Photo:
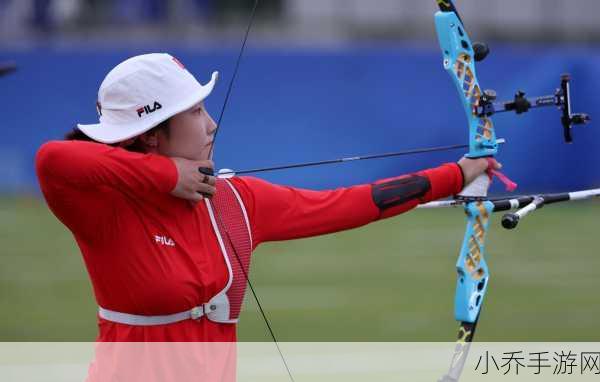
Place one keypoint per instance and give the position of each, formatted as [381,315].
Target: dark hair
[77,135]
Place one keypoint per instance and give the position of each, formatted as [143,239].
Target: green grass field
[390,281]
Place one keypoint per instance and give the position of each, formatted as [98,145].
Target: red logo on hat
[178,63]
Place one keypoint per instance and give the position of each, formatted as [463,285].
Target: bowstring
[218,215]
[233,78]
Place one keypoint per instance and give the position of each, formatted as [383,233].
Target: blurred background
[322,79]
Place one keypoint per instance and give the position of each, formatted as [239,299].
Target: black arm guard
[398,191]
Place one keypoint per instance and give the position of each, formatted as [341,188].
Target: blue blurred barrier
[292,105]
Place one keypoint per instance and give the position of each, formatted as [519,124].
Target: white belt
[217,310]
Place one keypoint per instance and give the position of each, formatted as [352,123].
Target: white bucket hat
[140,93]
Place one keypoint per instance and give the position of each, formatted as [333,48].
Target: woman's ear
[150,139]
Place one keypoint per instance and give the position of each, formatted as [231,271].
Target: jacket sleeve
[84,182]
[88,165]
[281,213]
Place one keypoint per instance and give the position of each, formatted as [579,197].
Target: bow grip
[477,188]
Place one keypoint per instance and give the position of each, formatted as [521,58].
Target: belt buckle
[201,310]
[209,307]
[197,312]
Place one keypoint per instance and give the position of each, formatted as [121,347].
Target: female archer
[167,248]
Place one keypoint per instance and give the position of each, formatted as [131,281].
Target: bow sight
[521,104]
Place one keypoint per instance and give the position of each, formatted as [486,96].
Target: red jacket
[150,253]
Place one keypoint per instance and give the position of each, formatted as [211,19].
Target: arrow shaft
[349,159]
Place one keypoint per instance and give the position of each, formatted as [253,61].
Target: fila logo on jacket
[164,240]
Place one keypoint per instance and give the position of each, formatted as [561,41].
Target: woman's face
[191,134]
